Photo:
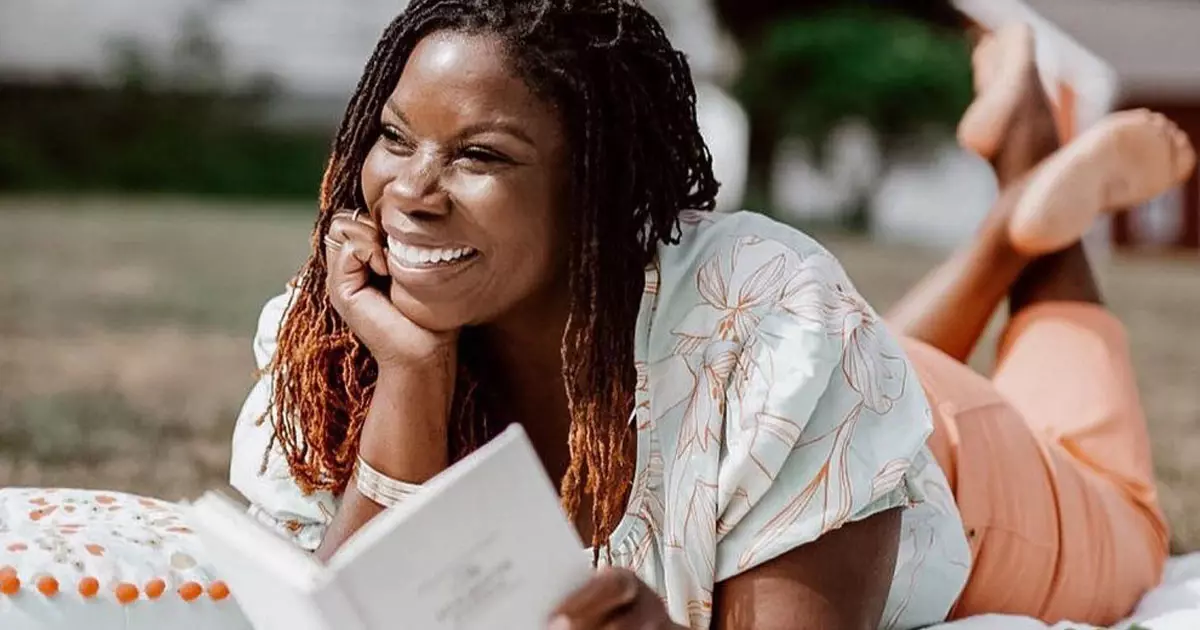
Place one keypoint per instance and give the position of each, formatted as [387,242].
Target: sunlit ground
[125,340]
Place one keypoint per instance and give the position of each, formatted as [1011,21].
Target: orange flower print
[42,513]
[823,295]
[872,369]
[734,290]
[782,521]
[705,411]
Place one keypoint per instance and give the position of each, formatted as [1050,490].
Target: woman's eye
[393,136]
[476,154]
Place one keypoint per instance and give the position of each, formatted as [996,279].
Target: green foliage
[898,74]
[78,139]
[177,127]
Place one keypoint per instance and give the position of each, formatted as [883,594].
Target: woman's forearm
[404,437]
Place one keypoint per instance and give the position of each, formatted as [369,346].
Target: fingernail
[560,622]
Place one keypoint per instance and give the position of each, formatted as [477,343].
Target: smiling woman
[732,426]
[471,168]
[515,228]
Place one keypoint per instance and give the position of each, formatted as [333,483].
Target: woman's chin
[432,317]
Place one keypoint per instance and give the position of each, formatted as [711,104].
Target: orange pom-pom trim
[7,570]
[88,587]
[47,585]
[126,592]
[10,584]
[218,590]
[155,588]
[190,591]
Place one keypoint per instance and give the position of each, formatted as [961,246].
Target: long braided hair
[626,99]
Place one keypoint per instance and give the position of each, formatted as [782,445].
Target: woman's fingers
[358,228]
[352,251]
[596,602]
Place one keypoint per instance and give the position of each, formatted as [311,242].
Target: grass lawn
[125,340]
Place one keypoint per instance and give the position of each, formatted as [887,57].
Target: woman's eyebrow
[503,126]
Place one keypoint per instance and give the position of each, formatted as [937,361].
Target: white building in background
[315,50]
[1095,56]
[315,47]
[936,195]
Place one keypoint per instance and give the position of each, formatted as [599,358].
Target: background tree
[900,67]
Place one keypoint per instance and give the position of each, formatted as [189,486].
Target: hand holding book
[613,599]
[485,544]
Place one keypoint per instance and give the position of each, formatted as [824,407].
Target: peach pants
[1050,464]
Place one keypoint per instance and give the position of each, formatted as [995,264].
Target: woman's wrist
[380,488]
[428,389]
[405,433]
[440,366]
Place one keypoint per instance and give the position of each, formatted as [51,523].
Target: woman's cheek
[375,174]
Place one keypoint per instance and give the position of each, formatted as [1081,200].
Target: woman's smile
[413,256]
[418,267]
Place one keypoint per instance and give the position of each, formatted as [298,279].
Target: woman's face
[468,182]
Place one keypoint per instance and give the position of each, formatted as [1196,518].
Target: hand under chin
[434,317]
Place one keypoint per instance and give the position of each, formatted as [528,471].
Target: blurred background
[159,165]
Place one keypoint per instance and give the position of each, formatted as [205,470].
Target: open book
[1081,86]
[485,544]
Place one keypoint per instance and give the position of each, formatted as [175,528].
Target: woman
[513,228]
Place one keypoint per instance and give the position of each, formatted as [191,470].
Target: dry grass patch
[125,331]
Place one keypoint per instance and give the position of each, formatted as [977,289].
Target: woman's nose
[416,187]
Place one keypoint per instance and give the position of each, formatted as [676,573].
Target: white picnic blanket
[1174,605]
[114,537]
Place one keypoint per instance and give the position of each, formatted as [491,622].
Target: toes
[1183,146]
[1183,153]
[982,64]
[1139,116]
[1163,123]
[1179,141]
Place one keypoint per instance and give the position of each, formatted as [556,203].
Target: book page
[1081,86]
[485,545]
[271,579]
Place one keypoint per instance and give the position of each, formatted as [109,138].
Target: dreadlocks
[627,103]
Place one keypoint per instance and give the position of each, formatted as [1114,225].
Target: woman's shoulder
[270,319]
[745,261]
[713,232]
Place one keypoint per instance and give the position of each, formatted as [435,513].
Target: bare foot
[1007,88]
[1125,160]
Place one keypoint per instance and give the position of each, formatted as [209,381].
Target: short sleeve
[824,417]
[258,468]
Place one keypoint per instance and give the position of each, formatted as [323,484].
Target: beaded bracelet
[379,487]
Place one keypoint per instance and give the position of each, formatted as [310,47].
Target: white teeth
[425,256]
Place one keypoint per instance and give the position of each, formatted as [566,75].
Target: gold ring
[333,243]
[354,217]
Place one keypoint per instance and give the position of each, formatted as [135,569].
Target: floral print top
[773,406]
